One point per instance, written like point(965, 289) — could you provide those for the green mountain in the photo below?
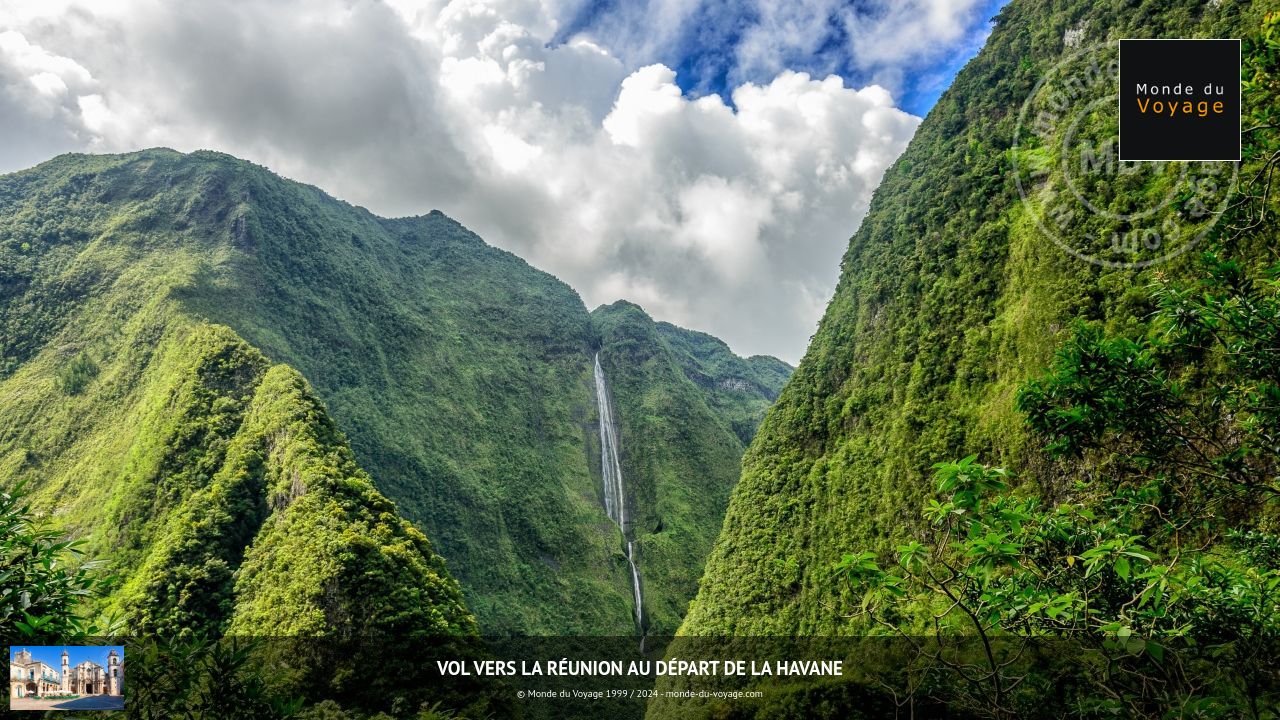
point(950, 298)
point(206, 370)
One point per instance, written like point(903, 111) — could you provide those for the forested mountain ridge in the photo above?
point(146, 302)
point(193, 462)
point(950, 299)
point(740, 389)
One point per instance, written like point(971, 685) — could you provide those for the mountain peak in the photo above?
point(458, 376)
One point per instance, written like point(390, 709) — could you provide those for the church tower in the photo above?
point(113, 677)
point(64, 680)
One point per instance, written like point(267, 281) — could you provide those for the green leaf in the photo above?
point(1155, 650)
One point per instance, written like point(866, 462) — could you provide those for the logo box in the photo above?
point(1180, 100)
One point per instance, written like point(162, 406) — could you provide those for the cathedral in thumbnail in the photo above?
point(29, 677)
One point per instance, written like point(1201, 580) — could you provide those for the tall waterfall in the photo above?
point(615, 497)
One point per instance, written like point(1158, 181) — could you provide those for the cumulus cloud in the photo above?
point(723, 214)
point(41, 98)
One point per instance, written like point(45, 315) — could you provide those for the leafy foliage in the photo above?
point(1164, 616)
point(43, 577)
point(198, 679)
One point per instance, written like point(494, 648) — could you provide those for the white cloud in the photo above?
point(39, 101)
point(725, 219)
point(879, 35)
point(899, 30)
point(904, 35)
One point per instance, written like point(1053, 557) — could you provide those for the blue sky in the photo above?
point(52, 655)
point(706, 48)
point(706, 159)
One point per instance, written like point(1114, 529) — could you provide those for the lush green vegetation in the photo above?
point(217, 451)
point(1129, 567)
point(139, 406)
point(1154, 557)
point(950, 298)
point(334, 553)
point(289, 534)
point(141, 296)
point(195, 678)
point(286, 537)
point(1161, 611)
point(77, 374)
point(49, 587)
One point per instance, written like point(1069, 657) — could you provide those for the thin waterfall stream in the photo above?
point(615, 497)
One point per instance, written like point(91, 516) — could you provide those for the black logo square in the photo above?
point(1180, 100)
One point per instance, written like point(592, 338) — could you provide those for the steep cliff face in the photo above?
point(950, 297)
